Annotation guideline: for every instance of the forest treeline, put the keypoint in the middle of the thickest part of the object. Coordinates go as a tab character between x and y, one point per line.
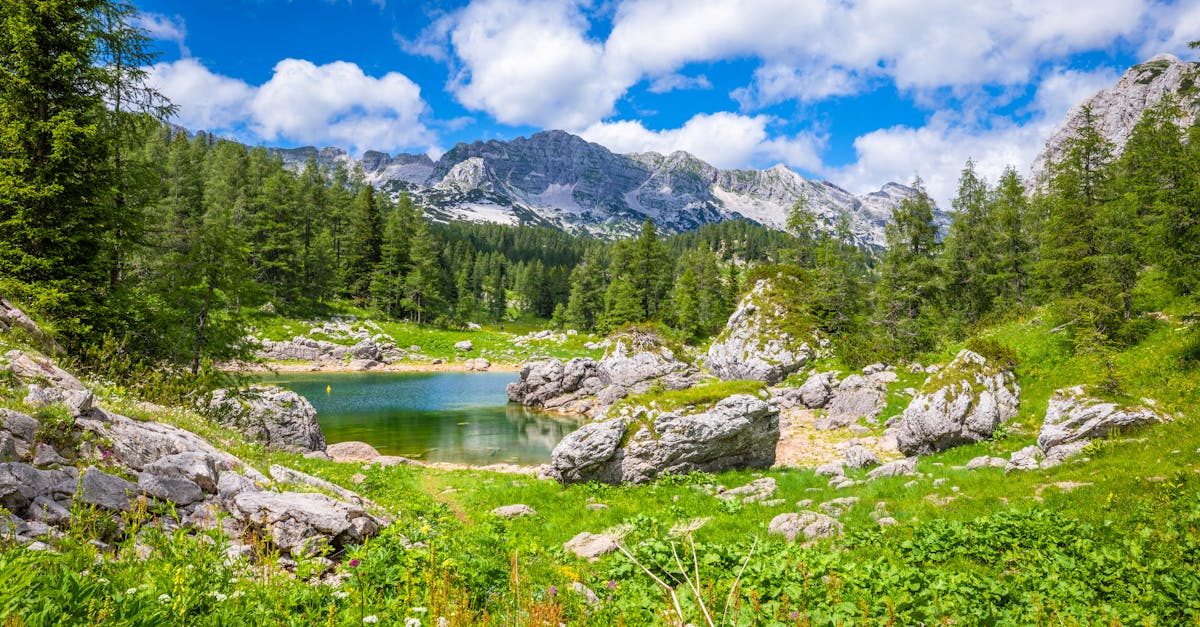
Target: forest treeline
134	238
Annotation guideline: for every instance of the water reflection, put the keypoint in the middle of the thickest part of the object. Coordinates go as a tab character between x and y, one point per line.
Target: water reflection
454	417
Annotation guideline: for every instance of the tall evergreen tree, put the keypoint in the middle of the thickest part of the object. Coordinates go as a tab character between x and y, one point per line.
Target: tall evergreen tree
364	244
968	255
55	175
910	284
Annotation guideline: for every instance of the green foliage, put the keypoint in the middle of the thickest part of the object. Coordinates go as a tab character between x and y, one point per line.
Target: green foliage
995	351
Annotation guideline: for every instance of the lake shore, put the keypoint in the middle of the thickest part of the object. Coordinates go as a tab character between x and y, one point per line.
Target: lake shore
459	366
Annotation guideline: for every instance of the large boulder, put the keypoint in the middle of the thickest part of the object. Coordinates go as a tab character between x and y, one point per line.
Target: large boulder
738	432
635	361
1073	415
302	523
856	397
270	414
760	341
546	383
962	404
818	389
636	358
138	444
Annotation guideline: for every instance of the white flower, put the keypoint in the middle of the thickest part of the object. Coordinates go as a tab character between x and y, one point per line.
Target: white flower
371	619
236	594
340	594
131	591
419	610
164	598
412	622
217	595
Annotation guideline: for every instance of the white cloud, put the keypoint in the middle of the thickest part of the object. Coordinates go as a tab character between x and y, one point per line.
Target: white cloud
938	150
678	82
206	100
529	63
776	82
165	28
538	62
333	104
726	140
1174	27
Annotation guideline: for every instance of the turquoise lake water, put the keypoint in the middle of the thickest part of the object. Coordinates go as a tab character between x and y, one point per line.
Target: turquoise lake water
443	416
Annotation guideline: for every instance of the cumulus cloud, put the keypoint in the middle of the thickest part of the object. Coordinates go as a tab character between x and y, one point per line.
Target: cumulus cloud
526	62
938	150
332	104
206	100
726	140
165	28
538	62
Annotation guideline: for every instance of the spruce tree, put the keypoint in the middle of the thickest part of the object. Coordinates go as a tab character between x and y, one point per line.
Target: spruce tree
364	243
56	178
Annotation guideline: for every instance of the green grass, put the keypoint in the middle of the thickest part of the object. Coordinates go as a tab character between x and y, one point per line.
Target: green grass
1124	548
700	397
493	341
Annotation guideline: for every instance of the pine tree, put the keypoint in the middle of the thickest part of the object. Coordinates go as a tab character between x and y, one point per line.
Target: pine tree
55	209
968	255
585	304
910	285
685	302
364	244
1072	265
1014	239
422	290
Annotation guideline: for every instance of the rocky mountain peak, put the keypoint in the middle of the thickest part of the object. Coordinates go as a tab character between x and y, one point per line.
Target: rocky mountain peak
1116	110
553	178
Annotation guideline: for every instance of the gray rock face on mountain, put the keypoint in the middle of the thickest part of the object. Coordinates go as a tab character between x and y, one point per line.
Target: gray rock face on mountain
553	178
963	403
636	358
270	414
1074	416
1116	110
854	398
739	432
754	343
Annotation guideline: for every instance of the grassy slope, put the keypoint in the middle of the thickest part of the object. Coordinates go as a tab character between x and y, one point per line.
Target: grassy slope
1008	549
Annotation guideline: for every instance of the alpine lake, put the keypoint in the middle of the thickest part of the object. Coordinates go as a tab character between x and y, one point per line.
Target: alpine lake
456	417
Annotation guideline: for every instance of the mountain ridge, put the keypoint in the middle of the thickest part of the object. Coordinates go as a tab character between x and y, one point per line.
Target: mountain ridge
554	178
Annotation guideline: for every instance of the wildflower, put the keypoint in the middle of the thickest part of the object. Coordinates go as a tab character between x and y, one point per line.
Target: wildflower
412	622
354	563
340	594
131	591
164	598
370	619
236	594
795	615
419	610
612	584
552	590
217	595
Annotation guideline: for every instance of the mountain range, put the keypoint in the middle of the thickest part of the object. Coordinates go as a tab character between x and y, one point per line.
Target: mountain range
557	179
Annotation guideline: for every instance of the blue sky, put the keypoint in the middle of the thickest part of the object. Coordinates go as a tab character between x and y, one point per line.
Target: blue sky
857	92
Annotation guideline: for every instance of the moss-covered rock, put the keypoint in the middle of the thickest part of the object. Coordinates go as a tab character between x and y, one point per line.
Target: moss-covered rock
767	338
963	403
